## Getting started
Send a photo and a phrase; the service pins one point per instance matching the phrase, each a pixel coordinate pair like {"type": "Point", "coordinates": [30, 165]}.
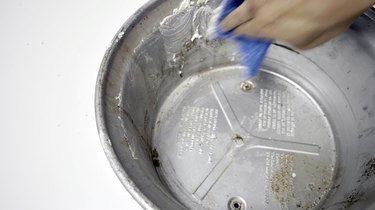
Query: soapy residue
{"type": "Point", "coordinates": [184, 29]}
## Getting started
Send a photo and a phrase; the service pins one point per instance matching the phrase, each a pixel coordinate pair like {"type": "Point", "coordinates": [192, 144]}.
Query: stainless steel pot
{"type": "Point", "coordinates": [183, 128]}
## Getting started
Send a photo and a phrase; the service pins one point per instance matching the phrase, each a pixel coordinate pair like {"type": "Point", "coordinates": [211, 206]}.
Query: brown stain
{"type": "Point", "coordinates": [282, 181]}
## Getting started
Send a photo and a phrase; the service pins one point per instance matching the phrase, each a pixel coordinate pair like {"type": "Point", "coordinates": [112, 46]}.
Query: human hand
{"type": "Point", "coordinates": [302, 23]}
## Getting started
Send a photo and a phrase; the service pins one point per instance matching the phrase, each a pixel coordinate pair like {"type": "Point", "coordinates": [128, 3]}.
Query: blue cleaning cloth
{"type": "Point", "coordinates": [252, 51]}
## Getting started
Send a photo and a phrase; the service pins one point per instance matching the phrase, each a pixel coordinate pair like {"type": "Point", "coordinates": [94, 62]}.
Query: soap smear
{"type": "Point", "coordinates": [185, 29]}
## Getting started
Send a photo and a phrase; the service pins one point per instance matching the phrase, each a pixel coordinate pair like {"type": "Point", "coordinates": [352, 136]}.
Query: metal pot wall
{"type": "Point", "coordinates": [183, 128]}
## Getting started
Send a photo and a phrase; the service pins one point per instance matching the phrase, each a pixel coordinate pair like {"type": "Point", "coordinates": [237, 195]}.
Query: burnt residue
{"type": "Point", "coordinates": [364, 182]}
{"type": "Point", "coordinates": [369, 169]}
{"type": "Point", "coordinates": [155, 158]}
{"type": "Point", "coordinates": [353, 198]}
{"type": "Point", "coordinates": [359, 193]}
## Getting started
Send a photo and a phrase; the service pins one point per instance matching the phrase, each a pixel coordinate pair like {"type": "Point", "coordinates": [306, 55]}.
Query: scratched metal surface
{"type": "Point", "coordinates": [271, 146]}
{"type": "Point", "coordinates": [184, 130]}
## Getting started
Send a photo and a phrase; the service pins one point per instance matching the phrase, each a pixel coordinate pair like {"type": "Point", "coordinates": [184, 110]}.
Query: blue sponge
{"type": "Point", "coordinates": [252, 51]}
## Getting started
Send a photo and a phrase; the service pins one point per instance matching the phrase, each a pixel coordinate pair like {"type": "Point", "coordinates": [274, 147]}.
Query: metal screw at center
{"type": "Point", "coordinates": [247, 85]}
{"type": "Point", "coordinates": [236, 203]}
{"type": "Point", "coordinates": [237, 139]}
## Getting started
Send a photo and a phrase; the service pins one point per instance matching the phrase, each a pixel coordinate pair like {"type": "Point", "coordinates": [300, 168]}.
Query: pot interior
{"type": "Point", "coordinates": [189, 131]}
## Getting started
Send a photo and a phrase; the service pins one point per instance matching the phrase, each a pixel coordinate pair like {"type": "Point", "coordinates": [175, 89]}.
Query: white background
{"type": "Point", "coordinates": [50, 154]}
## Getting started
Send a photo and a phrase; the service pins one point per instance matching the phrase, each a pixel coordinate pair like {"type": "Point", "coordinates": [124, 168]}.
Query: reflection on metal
{"type": "Point", "coordinates": [249, 142]}
{"type": "Point", "coordinates": [187, 135]}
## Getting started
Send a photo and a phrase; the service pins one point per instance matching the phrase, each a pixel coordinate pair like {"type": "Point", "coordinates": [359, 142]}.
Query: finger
{"type": "Point", "coordinates": [328, 35]}
{"type": "Point", "coordinates": [265, 17]}
{"type": "Point", "coordinates": [292, 30]}
{"type": "Point", "coordinates": [250, 28]}
{"type": "Point", "coordinates": [274, 10]}
{"type": "Point", "coordinates": [239, 16]}
{"type": "Point", "coordinates": [322, 38]}
{"type": "Point", "coordinates": [301, 39]}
